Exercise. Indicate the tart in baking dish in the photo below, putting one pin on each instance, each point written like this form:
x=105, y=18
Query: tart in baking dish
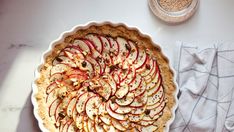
x=105, y=78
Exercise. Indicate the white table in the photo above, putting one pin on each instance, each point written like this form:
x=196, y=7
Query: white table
x=28, y=26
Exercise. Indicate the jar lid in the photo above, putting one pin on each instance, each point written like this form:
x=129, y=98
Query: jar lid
x=173, y=11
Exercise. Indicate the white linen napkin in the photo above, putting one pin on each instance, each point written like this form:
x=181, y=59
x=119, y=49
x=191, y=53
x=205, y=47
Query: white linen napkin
x=205, y=77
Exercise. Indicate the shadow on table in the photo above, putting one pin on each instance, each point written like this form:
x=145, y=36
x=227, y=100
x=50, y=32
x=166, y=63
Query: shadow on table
x=27, y=121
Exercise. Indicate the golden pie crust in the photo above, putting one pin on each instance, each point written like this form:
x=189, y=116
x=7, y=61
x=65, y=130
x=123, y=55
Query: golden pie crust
x=142, y=41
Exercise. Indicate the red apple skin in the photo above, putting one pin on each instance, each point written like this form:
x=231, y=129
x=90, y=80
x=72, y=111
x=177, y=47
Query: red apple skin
x=57, y=77
x=112, y=113
x=93, y=43
x=88, y=43
x=92, y=97
x=75, y=50
x=143, y=63
x=51, y=92
x=114, y=109
x=101, y=43
x=156, y=89
x=129, y=102
x=59, y=103
x=51, y=87
x=156, y=105
x=70, y=125
x=114, y=45
x=143, y=96
x=73, y=109
x=145, y=72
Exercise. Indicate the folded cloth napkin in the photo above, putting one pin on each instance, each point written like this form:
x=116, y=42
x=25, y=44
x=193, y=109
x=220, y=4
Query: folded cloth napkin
x=205, y=79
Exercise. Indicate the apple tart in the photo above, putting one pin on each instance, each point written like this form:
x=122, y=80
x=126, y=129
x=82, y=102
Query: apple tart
x=103, y=78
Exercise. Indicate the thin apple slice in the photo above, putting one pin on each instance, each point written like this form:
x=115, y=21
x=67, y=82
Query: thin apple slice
x=148, y=67
x=102, y=64
x=138, y=111
x=114, y=46
x=146, y=117
x=154, y=82
x=64, y=125
x=59, y=68
x=117, y=125
x=125, y=124
x=78, y=77
x=105, y=90
x=110, y=80
x=69, y=54
x=94, y=52
x=135, y=118
x=133, y=54
x=85, y=65
x=141, y=89
x=155, y=89
x=152, y=75
x=99, y=128
x=124, y=47
x=54, y=107
x=68, y=127
x=79, y=121
x=122, y=91
x=150, y=128
x=139, y=101
x=116, y=77
x=103, y=115
x=106, y=44
x=76, y=71
x=51, y=87
x=95, y=64
x=109, y=128
x=119, y=109
x=91, y=126
x=123, y=73
x=128, y=99
x=71, y=106
x=155, y=98
x=71, y=127
x=85, y=125
x=107, y=59
x=75, y=52
x=145, y=123
x=57, y=77
x=64, y=60
x=149, y=107
x=66, y=98
x=106, y=119
x=52, y=95
x=135, y=83
x=82, y=99
x=141, y=59
x=102, y=109
x=74, y=114
x=91, y=106
x=154, y=112
x=113, y=114
x=96, y=41
x=130, y=77
x=85, y=47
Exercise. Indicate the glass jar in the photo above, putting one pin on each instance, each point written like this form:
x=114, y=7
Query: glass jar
x=173, y=11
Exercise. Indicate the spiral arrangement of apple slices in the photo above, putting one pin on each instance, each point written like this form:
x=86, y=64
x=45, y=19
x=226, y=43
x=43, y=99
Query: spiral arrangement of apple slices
x=100, y=83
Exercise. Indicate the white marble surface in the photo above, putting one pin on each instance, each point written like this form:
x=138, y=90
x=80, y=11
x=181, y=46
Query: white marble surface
x=28, y=26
